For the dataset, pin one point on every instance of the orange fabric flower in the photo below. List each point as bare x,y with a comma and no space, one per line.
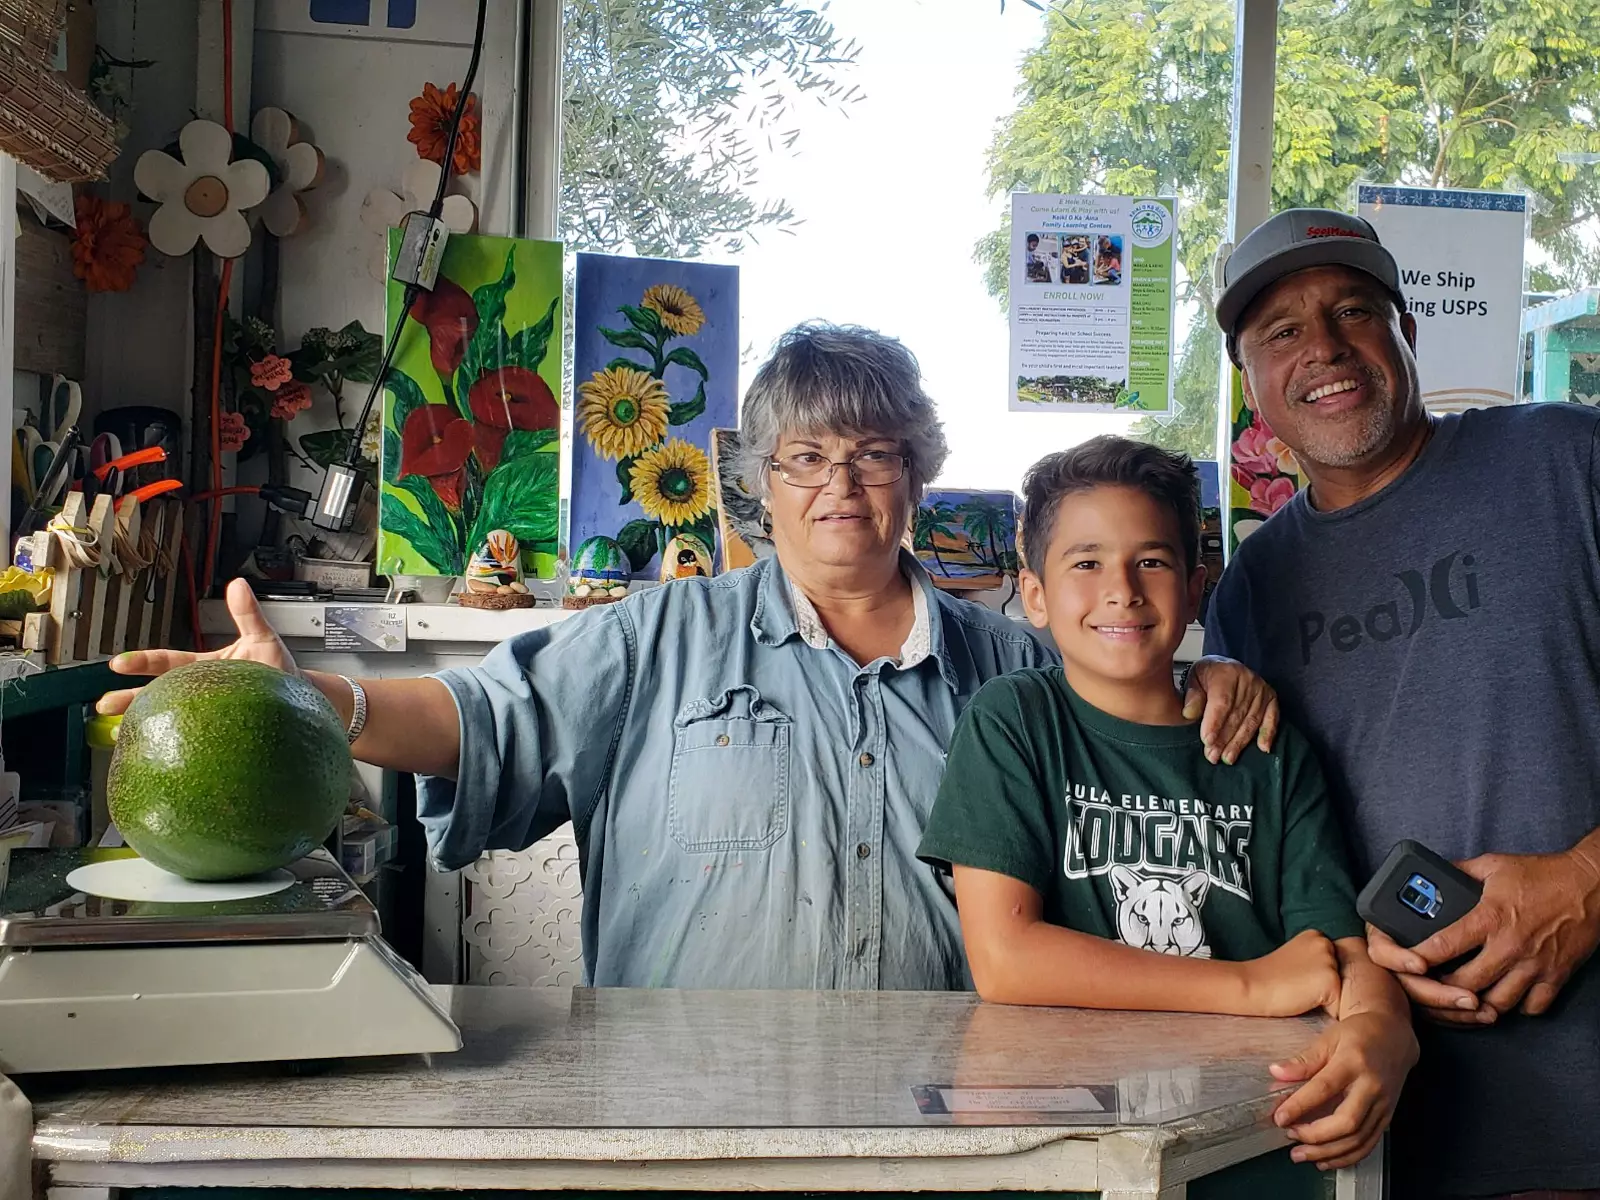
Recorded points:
108,246
271,373
431,114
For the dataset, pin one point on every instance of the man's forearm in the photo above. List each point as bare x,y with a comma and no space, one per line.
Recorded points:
412,724
1044,964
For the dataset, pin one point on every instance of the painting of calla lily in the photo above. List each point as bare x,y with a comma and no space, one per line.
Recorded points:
450,318
471,424
656,364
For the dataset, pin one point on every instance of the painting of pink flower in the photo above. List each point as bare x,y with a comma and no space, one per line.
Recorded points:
1267,496
1253,450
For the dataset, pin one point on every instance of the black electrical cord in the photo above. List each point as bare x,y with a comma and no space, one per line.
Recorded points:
353,449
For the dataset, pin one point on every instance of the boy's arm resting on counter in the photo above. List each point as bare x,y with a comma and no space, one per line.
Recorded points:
1017,957
1352,1074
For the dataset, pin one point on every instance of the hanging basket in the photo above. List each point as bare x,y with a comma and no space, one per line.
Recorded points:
45,121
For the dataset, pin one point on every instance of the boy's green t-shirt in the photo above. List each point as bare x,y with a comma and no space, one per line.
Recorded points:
1129,833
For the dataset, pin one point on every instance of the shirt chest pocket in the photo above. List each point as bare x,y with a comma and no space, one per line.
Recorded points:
729,788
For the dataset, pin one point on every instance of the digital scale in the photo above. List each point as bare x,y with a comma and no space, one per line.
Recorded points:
106,962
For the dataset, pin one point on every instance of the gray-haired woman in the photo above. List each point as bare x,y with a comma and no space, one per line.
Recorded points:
747,761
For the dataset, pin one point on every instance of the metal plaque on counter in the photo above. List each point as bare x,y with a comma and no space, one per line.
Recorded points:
363,629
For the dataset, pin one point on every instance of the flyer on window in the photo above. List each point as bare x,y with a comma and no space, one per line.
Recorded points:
1091,303
1460,255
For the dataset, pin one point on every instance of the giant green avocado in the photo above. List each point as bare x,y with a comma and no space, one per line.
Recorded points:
227,768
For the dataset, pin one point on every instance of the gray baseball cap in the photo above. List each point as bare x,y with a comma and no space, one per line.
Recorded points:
1294,240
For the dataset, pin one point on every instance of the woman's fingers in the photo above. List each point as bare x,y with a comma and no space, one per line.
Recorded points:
114,704
246,612
151,662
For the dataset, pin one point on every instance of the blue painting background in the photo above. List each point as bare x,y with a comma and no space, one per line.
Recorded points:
604,282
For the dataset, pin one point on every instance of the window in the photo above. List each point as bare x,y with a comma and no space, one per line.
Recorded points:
857,165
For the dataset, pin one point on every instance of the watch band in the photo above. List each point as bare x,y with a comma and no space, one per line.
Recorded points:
358,718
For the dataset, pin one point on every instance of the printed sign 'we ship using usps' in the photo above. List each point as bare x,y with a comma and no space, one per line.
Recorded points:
1461,267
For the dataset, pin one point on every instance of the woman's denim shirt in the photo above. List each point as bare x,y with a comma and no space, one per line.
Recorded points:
747,805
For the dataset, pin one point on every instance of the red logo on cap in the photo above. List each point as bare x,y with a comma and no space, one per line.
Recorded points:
1316,231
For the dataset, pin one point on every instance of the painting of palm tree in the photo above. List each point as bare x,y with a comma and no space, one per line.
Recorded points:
966,540
934,521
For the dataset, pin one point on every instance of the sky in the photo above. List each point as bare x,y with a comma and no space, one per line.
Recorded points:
892,198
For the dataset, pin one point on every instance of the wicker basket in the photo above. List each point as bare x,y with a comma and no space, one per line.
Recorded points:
45,121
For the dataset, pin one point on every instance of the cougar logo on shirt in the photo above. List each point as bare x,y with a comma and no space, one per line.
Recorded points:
1435,593
1160,914
1158,837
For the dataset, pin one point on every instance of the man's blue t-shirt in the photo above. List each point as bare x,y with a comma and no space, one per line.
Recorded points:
1439,642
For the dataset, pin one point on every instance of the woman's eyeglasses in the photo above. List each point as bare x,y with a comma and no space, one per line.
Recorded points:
870,468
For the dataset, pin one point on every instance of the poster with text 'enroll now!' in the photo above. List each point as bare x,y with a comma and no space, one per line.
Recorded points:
1091,303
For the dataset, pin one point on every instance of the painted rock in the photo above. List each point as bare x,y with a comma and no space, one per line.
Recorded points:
600,573
496,564
685,557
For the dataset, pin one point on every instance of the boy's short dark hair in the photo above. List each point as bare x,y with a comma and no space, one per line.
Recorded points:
1165,476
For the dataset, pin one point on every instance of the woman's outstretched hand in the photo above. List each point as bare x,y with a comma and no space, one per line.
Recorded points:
257,642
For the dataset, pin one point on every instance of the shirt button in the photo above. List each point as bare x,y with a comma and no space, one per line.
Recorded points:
867,760
722,739
863,851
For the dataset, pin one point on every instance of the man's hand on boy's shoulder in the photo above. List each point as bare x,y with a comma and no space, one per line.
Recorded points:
1235,706
1352,1077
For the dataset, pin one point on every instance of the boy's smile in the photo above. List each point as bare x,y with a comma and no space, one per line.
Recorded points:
1115,589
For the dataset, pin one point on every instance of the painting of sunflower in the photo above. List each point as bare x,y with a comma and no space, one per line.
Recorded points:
678,310
672,483
656,354
623,411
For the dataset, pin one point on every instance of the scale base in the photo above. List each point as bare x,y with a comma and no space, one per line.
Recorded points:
104,1007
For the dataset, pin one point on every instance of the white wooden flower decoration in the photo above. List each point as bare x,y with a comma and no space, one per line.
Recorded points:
382,210
203,195
299,163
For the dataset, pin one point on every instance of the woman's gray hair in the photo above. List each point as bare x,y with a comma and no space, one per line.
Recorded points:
839,379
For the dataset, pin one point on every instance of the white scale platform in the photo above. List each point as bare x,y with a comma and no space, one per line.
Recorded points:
108,962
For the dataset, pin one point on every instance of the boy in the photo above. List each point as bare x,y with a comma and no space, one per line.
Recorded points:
1102,861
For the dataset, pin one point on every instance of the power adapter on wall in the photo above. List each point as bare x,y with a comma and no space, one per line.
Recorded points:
422,241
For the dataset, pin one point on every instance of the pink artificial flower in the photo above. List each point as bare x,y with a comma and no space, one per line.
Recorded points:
271,373
232,432
290,399
1267,496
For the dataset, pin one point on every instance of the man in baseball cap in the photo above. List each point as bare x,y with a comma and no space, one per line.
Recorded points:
1426,609
1294,240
